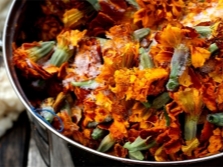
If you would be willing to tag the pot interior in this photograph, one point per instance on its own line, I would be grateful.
(21, 27)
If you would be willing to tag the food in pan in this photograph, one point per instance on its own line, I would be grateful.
(137, 79)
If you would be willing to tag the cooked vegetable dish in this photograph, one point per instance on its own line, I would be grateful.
(138, 79)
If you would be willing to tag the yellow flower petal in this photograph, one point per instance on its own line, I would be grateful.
(185, 79)
(190, 146)
(190, 101)
(199, 56)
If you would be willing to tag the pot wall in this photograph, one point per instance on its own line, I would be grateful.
(57, 152)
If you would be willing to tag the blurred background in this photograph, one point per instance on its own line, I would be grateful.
(17, 147)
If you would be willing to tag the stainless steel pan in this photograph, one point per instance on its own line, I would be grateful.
(56, 149)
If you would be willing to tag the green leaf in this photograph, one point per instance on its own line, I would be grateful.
(60, 56)
(141, 33)
(177, 66)
(37, 52)
(145, 59)
(147, 104)
(158, 102)
(98, 133)
(213, 47)
(95, 4)
(106, 143)
(92, 124)
(137, 155)
(172, 83)
(90, 84)
(161, 100)
(204, 31)
(139, 144)
(190, 127)
(216, 119)
(135, 148)
(166, 117)
(133, 3)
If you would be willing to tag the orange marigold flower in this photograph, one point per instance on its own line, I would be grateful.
(190, 146)
(58, 8)
(73, 18)
(153, 12)
(120, 151)
(69, 126)
(80, 138)
(120, 31)
(81, 94)
(206, 131)
(112, 12)
(101, 114)
(107, 72)
(139, 113)
(117, 53)
(160, 154)
(170, 137)
(173, 109)
(68, 38)
(202, 11)
(138, 84)
(199, 56)
(67, 41)
(25, 58)
(190, 101)
(217, 74)
(185, 79)
(172, 37)
(104, 99)
(210, 95)
(118, 128)
(48, 27)
(220, 96)
(215, 141)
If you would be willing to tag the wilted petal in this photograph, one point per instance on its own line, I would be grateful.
(190, 146)
(190, 100)
(215, 141)
(199, 56)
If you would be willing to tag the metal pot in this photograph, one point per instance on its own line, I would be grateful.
(56, 149)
